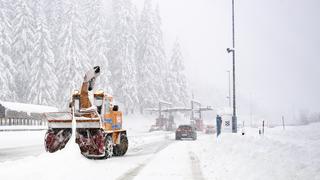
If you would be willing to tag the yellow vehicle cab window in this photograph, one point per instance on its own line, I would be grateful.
(98, 103)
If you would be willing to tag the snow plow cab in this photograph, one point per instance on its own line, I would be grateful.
(99, 132)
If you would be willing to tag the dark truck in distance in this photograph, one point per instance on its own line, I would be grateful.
(186, 131)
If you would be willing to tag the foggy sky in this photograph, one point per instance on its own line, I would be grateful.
(277, 45)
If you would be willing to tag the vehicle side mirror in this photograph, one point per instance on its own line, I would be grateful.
(70, 104)
(115, 108)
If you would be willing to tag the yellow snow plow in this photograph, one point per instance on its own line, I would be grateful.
(99, 132)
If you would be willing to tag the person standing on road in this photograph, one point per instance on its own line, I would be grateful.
(219, 123)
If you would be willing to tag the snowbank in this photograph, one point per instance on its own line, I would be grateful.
(290, 154)
(29, 108)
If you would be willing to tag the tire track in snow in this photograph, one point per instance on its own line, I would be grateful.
(195, 167)
(131, 174)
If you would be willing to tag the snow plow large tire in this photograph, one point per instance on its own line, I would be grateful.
(121, 149)
(108, 147)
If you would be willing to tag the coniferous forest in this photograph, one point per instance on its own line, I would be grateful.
(47, 45)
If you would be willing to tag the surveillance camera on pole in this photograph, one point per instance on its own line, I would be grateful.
(230, 50)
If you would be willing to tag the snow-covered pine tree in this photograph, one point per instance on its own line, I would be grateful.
(177, 84)
(6, 65)
(122, 54)
(43, 77)
(150, 57)
(161, 55)
(171, 85)
(3, 80)
(73, 62)
(54, 10)
(97, 41)
(6, 25)
(22, 46)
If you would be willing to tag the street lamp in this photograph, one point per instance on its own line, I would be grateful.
(232, 50)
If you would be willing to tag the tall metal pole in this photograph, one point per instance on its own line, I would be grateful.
(229, 97)
(250, 110)
(234, 116)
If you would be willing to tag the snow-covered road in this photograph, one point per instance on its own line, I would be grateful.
(177, 162)
(290, 154)
(148, 146)
(22, 146)
(31, 159)
(16, 153)
(146, 151)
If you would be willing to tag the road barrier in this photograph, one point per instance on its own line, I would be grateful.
(9, 119)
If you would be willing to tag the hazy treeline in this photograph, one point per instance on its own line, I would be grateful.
(47, 45)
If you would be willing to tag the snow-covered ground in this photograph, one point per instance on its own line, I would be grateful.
(293, 153)
(13, 139)
(279, 154)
